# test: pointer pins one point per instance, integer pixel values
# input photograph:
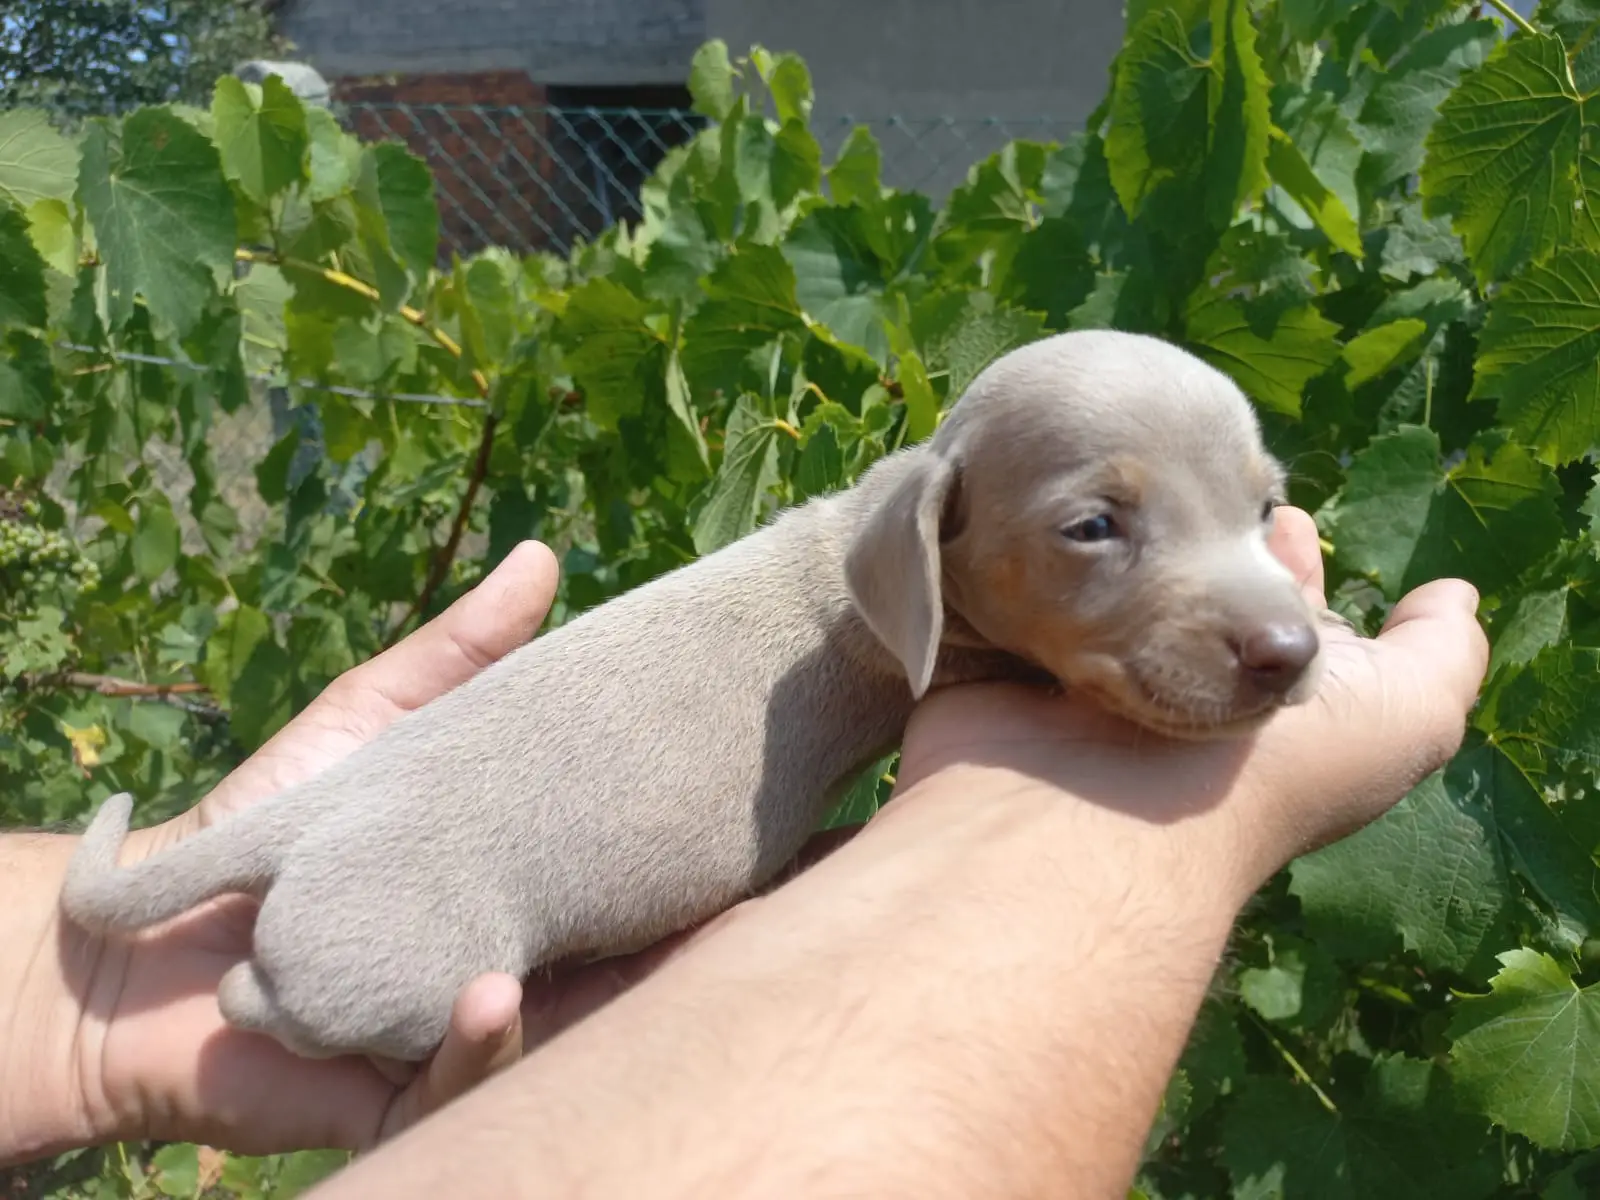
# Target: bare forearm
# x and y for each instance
(37, 1006)
(986, 1000)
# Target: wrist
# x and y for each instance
(45, 967)
(1176, 861)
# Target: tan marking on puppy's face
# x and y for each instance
(1113, 530)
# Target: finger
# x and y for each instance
(501, 613)
(1297, 544)
(484, 1037)
(1436, 628)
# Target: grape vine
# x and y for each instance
(1378, 217)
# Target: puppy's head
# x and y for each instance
(1098, 504)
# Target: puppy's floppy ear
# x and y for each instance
(892, 567)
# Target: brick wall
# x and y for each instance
(486, 138)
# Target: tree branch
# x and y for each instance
(110, 685)
(447, 553)
(130, 689)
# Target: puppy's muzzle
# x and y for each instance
(1274, 656)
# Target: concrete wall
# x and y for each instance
(1036, 68)
(555, 41)
(941, 82)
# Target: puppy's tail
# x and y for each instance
(235, 855)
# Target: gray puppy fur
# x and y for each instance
(1094, 510)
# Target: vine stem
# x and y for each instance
(362, 288)
(1300, 1072)
(447, 553)
(1513, 16)
(129, 689)
(110, 685)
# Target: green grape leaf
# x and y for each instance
(229, 647)
(1159, 118)
(1524, 1053)
(837, 277)
(304, 1169)
(963, 332)
(333, 157)
(162, 212)
(682, 408)
(262, 697)
(856, 174)
(682, 253)
(1239, 114)
(1429, 870)
(1540, 844)
(1308, 20)
(821, 466)
(750, 301)
(1299, 987)
(1213, 1057)
(177, 1169)
(796, 163)
(155, 541)
(1535, 621)
(28, 388)
(711, 79)
(1403, 105)
(749, 466)
(789, 80)
(859, 802)
(1331, 144)
(396, 192)
(922, 405)
(1372, 352)
(1399, 1138)
(22, 300)
(1553, 708)
(1403, 518)
(1502, 158)
(488, 312)
(36, 162)
(610, 349)
(1271, 366)
(1291, 172)
(261, 135)
(1417, 245)
(1052, 272)
(1537, 353)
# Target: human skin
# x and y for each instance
(983, 993)
(121, 1039)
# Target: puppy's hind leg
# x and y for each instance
(249, 1001)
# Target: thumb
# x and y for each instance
(1435, 629)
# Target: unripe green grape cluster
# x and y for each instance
(38, 563)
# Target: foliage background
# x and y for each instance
(1376, 216)
(79, 58)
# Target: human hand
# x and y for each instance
(1390, 710)
(152, 1055)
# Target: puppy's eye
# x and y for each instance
(1094, 529)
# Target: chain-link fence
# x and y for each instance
(541, 178)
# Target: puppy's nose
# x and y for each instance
(1276, 654)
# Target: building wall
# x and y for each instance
(1034, 68)
(555, 41)
(941, 82)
